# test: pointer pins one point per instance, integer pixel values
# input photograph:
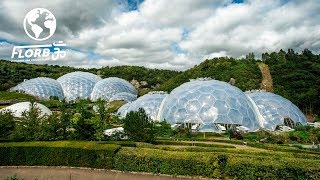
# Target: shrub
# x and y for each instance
(166, 162)
(191, 143)
(58, 153)
(7, 124)
(138, 127)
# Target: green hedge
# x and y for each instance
(191, 143)
(167, 162)
(58, 153)
(216, 165)
(272, 168)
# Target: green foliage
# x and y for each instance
(7, 124)
(4, 95)
(58, 153)
(163, 129)
(12, 73)
(247, 165)
(191, 143)
(28, 126)
(137, 126)
(165, 162)
(246, 73)
(296, 77)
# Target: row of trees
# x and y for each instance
(78, 122)
(12, 73)
(296, 76)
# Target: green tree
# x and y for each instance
(137, 126)
(28, 126)
(7, 124)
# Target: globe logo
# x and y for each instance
(39, 24)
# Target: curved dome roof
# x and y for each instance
(274, 109)
(18, 108)
(208, 102)
(41, 87)
(78, 85)
(123, 96)
(122, 111)
(150, 103)
(107, 88)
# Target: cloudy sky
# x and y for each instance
(166, 34)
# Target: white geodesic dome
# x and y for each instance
(78, 85)
(122, 111)
(18, 108)
(40, 87)
(274, 109)
(208, 103)
(107, 88)
(149, 102)
(123, 96)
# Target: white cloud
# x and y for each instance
(199, 28)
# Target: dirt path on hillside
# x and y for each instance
(228, 144)
(66, 173)
(266, 82)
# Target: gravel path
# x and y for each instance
(66, 173)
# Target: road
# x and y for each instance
(66, 173)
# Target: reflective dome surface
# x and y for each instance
(274, 109)
(78, 85)
(18, 108)
(107, 88)
(150, 103)
(122, 111)
(123, 96)
(208, 102)
(41, 87)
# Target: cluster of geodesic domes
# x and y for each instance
(79, 85)
(212, 104)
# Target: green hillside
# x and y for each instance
(12, 73)
(246, 73)
(295, 76)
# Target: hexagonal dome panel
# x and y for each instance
(78, 85)
(274, 109)
(208, 102)
(122, 111)
(123, 96)
(107, 88)
(41, 87)
(150, 103)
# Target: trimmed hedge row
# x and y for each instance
(266, 146)
(167, 162)
(207, 161)
(216, 165)
(272, 168)
(190, 143)
(59, 153)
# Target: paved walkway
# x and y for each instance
(65, 173)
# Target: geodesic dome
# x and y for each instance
(107, 88)
(122, 111)
(18, 108)
(123, 96)
(208, 103)
(78, 85)
(274, 109)
(41, 87)
(150, 103)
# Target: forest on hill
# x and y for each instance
(296, 76)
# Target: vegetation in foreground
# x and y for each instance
(214, 162)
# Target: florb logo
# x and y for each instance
(39, 24)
